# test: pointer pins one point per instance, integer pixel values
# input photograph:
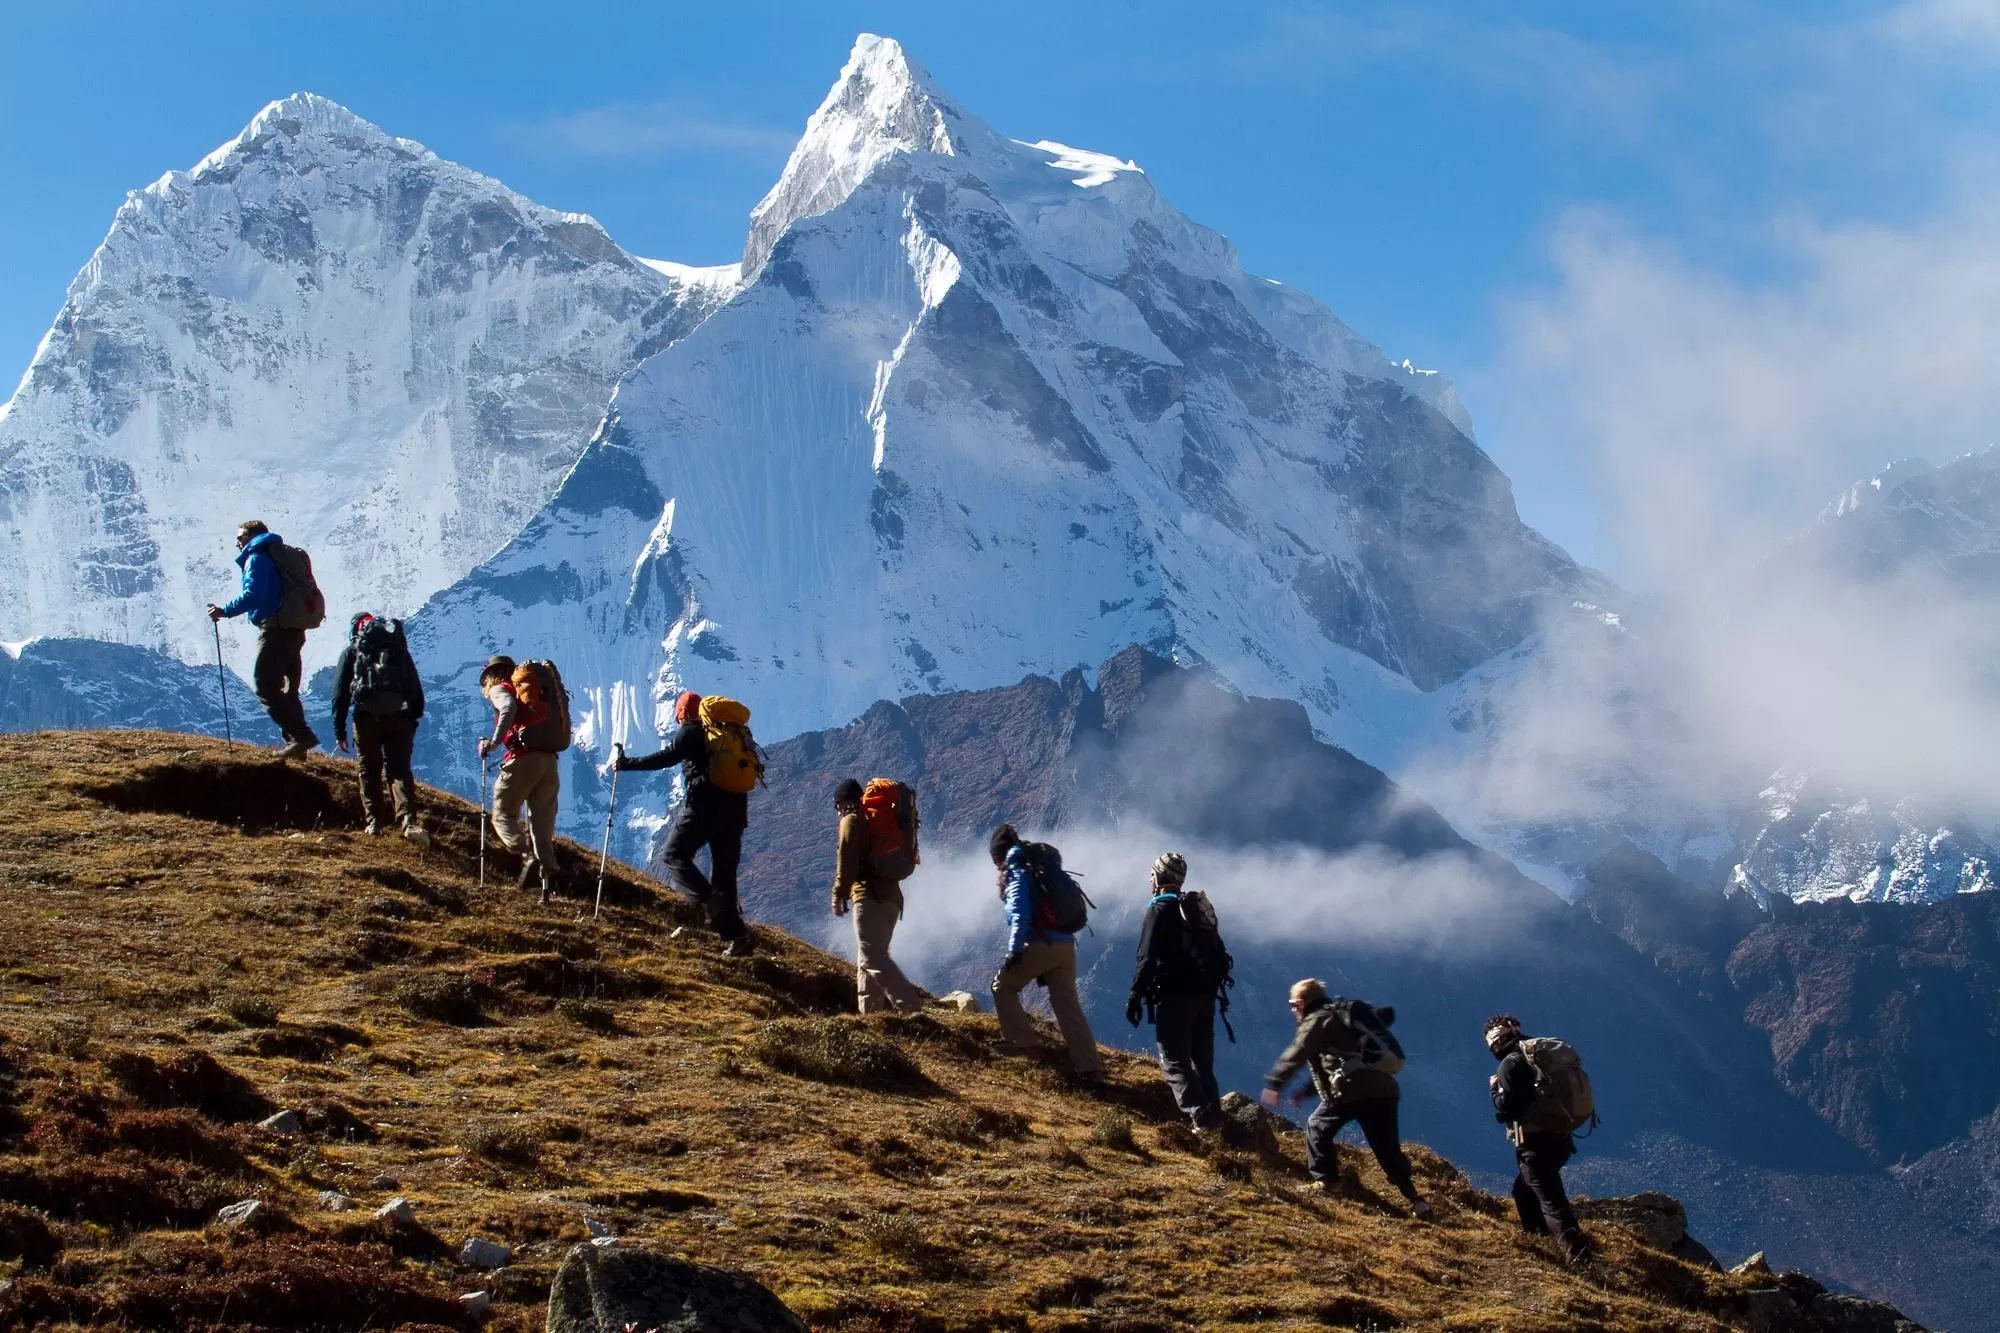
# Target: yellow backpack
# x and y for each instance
(734, 761)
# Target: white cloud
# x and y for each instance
(654, 129)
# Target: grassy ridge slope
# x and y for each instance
(196, 937)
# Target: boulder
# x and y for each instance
(335, 1202)
(1756, 1265)
(1246, 1125)
(605, 1290)
(284, 1122)
(476, 1303)
(596, 1228)
(397, 1212)
(238, 1215)
(1658, 1218)
(478, 1253)
(962, 1000)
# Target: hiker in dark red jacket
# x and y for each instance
(709, 817)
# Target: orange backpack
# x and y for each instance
(889, 808)
(542, 722)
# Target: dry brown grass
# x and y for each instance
(194, 935)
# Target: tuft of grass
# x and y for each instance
(588, 1014)
(1114, 1131)
(252, 1011)
(896, 1234)
(835, 1050)
(442, 997)
(1233, 1166)
(503, 1141)
(66, 1035)
(1179, 1136)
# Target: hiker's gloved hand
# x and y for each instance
(1135, 1009)
(1270, 1098)
(340, 743)
(485, 744)
(214, 611)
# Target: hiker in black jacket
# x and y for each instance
(377, 676)
(1172, 985)
(1540, 1146)
(709, 817)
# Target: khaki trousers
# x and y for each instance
(534, 777)
(879, 984)
(1054, 962)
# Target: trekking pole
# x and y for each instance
(222, 679)
(482, 823)
(604, 853)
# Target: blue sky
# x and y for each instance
(1692, 264)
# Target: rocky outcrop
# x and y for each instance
(1659, 1220)
(602, 1289)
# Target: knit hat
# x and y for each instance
(1003, 838)
(685, 706)
(1170, 870)
(846, 790)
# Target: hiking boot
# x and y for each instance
(738, 948)
(414, 831)
(295, 750)
(1420, 1210)
(1576, 1248)
(1318, 1187)
(530, 871)
(373, 828)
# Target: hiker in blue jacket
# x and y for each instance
(279, 670)
(1037, 952)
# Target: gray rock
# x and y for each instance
(1771, 1310)
(597, 1228)
(335, 1202)
(383, 1182)
(478, 1253)
(284, 1122)
(239, 1214)
(476, 1303)
(1853, 1314)
(604, 1242)
(601, 1290)
(1658, 1218)
(962, 1000)
(1755, 1264)
(1247, 1125)
(398, 1212)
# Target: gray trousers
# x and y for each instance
(533, 777)
(1053, 962)
(879, 984)
(1184, 1027)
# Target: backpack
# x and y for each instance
(889, 808)
(304, 605)
(1563, 1099)
(735, 764)
(1208, 963)
(1058, 901)
(543, 723)
(384, 678)
(1376, 1046)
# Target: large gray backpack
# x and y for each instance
(1563, 1099)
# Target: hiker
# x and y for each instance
(282, 614)
(530, 773)
(1038, 949)
(865, 880)
(1346, 1047)
(1540, 1115)
(717, 755)
(1182, 970)
(378, 676)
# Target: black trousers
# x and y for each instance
(1539, 1196)
(1184, 1028)
(277, 676)
(382, 742)
(698, 826)
(1377, 1119)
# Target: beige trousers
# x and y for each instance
(879, 984)
(1053, 961)
(533, 776)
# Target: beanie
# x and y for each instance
(685, 706)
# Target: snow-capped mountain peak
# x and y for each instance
(883, 104)
(307, 116)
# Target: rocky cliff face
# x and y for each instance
(391, 359)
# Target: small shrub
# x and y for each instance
(588, 1014)
(67, 1035)
(893, 1155)
(1178, 1136)
(25, 1235)
(1114, 1131)
(442, 997)
(1233, 1166)
(895, 1234)
(252, 1011)
(835, 1050)
(1064, 1156)
(501, 1141)
(180, 1137)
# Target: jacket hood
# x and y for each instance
(257, 543)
